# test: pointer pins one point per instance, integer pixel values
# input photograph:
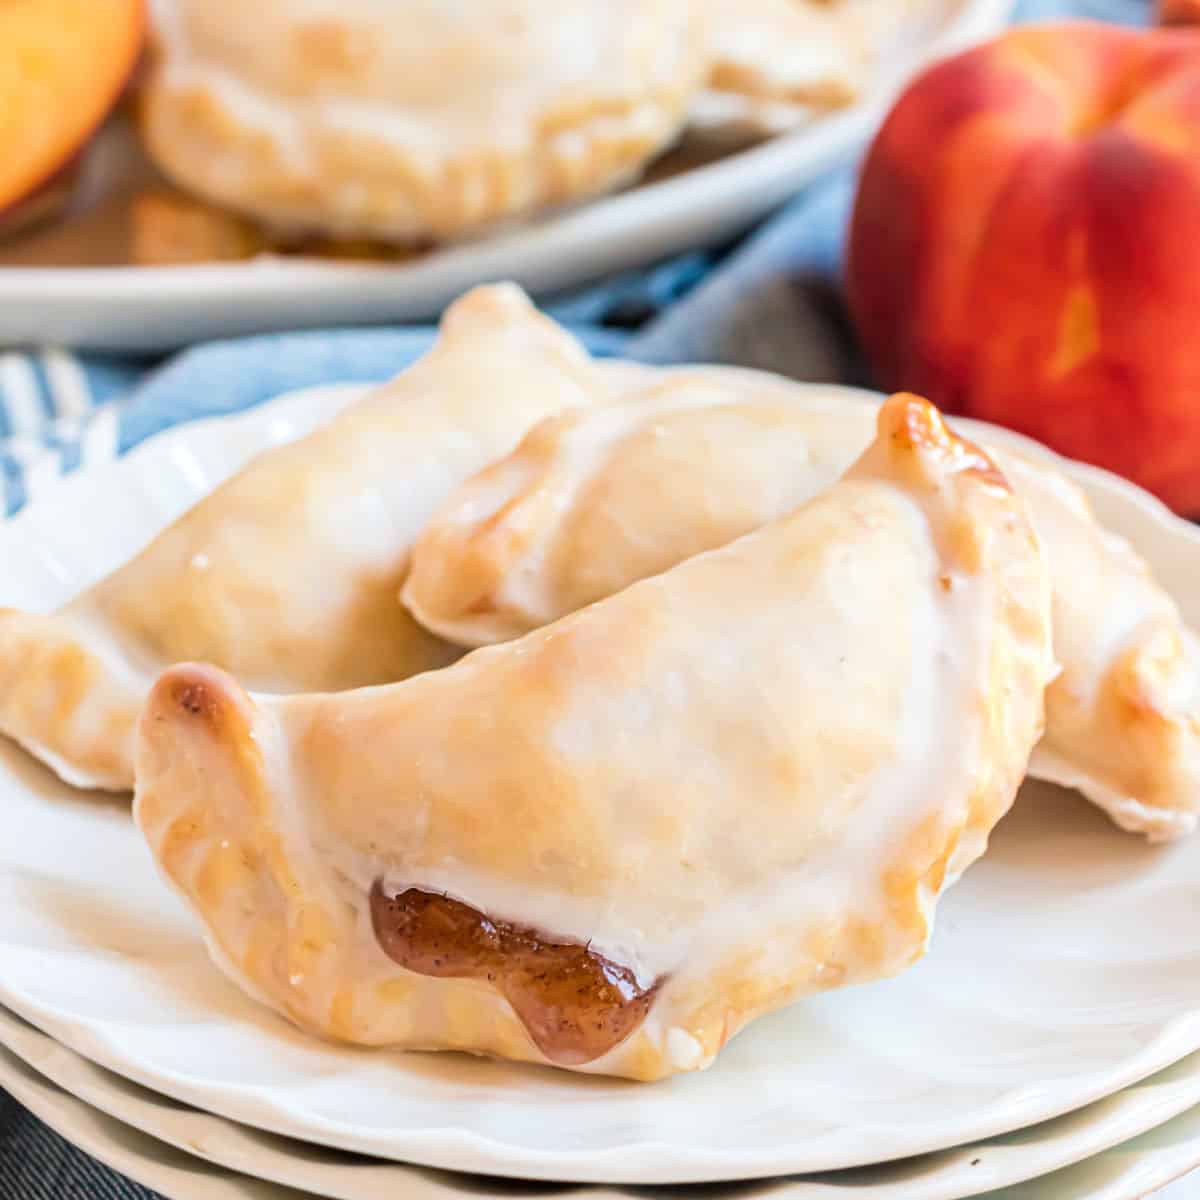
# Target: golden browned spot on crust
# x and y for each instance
(745, 81)
(914, 424)
(332, 48)
(167, 229)
(73, 671)
(484, 606)
(575, 1004)
(194, 698)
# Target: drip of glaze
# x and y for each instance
(575, 1004)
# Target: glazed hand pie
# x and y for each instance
(287, 574)
(1123, 716)
(775, 63)
(792, 56)
(610, 844)
(582, 508)
(592, 501)
(415, 120)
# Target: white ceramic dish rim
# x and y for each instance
(952, 1174)
(463, 1149)
(1124, 1172)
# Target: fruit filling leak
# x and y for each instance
(575, 1004)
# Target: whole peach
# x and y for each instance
(1025, 246)
(1178, 12)
(63, 66)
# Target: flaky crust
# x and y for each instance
(287, 574)
(586, 505)
(742, 780)
(66, 702)
(1123, 714)
(363, 118)
(591, 502)
(777, 63)
(807, 53)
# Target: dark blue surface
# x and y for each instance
(37, 1164)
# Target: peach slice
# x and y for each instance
(63, 65)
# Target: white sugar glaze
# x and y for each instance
(681, 932)
(365, 112)
(1120, 640)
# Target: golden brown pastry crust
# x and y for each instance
(777, 63)
(287, 573)
(588, 503)
(363, 119)
(733, 780)
(584, 507)
(807, 53)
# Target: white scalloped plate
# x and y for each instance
(152, 308)
(1131, 1170)
(946, 1175)
(1064, 968)
(143, 1159)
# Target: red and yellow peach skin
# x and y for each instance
(63, 65)
(1025, 246)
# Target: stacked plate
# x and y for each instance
(1057, 1015)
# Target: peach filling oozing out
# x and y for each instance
(575, 1004)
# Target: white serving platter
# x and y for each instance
(156, 308)
(953, 1174)
(1065, 965)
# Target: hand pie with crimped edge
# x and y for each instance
(777, 63)
(800, 55)
(429, 118)
(590, 502)
(287, 574)
(609, 845)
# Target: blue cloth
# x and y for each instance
(37, 1164)
(770, 301)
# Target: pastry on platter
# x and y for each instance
(802, 55)
(775, 63)
(610, 844)
(287, 574)
(592, 501)
(582, 508)
(168, 228)
(405, 121)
